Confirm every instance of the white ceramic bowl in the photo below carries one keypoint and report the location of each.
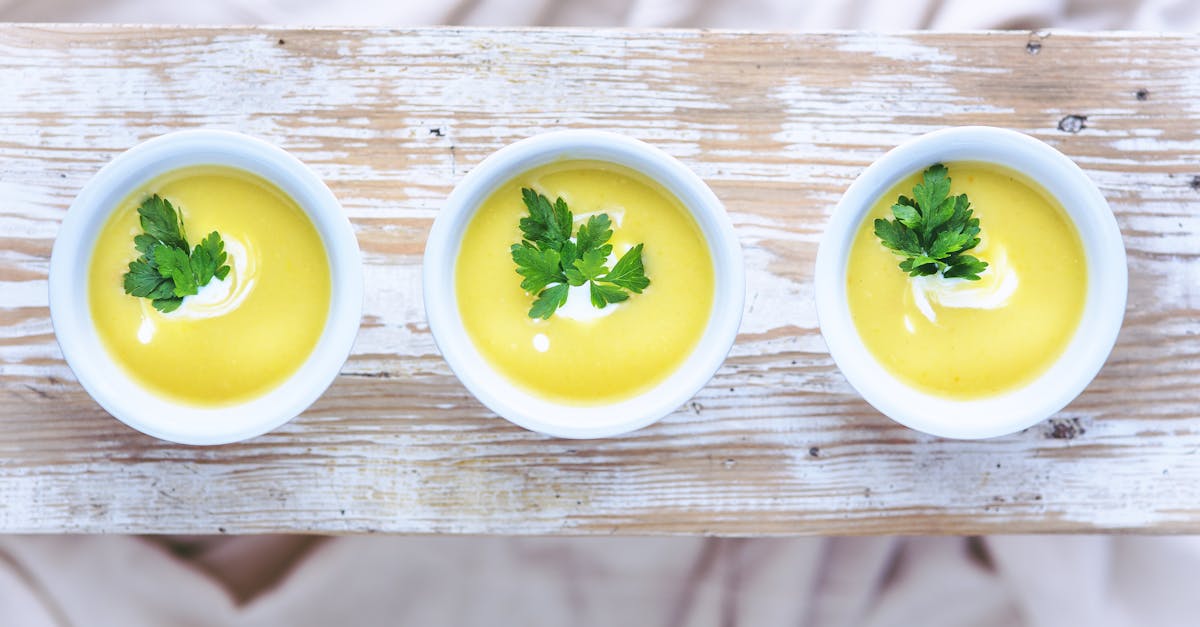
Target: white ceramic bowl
(514, 403)
(1088, 349)
(107, 382)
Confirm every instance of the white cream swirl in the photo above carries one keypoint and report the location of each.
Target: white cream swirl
(579, 305)
(996, 285)
(217, 298)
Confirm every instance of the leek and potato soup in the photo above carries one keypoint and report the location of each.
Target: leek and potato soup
(966, 280)
(209, 286)
(584, 282)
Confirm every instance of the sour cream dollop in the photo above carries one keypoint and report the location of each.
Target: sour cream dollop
(996, 285)
(217, 298)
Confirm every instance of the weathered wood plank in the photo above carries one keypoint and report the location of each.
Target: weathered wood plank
(778, 124)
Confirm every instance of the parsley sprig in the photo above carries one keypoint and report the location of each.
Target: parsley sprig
(933, 230)
(552, 262)
(167, 271)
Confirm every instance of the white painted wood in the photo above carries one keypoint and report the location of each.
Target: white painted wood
(778, 125)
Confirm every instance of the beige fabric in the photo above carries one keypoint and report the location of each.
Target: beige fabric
(669, 582)
(1181, 15)
(685, 582)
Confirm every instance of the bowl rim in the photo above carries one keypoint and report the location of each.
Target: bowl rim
(522, 407)
(107, 382)
(1091, 342)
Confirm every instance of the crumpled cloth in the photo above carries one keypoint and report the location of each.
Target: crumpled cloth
(887, 15)
(668, 582)
(673, 582)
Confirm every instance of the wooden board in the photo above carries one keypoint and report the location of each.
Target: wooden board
(778, 124)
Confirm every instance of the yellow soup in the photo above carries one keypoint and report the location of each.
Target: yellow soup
(239, 337)
(970, 339)
(585, 359)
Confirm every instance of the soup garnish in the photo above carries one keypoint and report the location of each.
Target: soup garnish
(552, 261)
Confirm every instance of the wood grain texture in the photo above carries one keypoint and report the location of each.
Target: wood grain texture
(779, 125)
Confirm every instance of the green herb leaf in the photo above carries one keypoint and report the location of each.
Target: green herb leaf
(548, 225)
(174, 264)
(930, 194)
(143, 280)
(549, 301)
(590, 267)
(906, 214)
(932, 230)
(594, 235)
(208, 259)
(539, 267)
(551, 262)
(964, 266)
(144, 243)
(629, 272)
(167, 305)
(166, 271)
(898, 237)
(567, 254)
(161, 222)
(603, 294)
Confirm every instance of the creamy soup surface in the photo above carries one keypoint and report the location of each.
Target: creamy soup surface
(581, 356)
(239, 337)
(969, 339)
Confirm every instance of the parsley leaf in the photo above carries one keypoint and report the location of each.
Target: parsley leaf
(551, 262)
(963, 266)
(173, 264)
(144, 281)
(160, 222)
(629, 272)
(539, 267)
(589, 267)
(167, 305)
(594, 234)
(208, 259)
(166, 271)
(547, 225)
(548, 301)
(603, 294)
(145, 243)
(932, 230)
